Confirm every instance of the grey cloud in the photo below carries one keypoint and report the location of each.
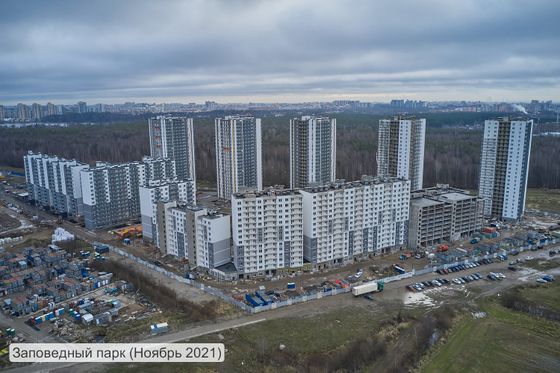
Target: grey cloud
(276, 50)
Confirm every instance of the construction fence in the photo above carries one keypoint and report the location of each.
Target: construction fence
(299, 299)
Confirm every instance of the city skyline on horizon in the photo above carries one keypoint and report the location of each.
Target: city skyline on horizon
(203, 101)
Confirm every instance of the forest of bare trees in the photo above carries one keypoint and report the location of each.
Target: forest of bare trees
(452, 150)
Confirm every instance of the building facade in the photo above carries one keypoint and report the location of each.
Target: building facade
(82, 107)
(173, 138)
(312, 151)
(443, 214)
(238, 155)
(111, 191)
(54, 183)
(36, 111)
(51, 109)
(401, 149)
(345, 219)
(267, 231)
(176, 224)
(183, 191)
(504, 167)
(213, 240)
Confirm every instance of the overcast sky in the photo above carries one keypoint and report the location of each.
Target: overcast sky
(278, 51)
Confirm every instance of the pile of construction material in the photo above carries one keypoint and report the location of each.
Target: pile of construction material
(61, 235)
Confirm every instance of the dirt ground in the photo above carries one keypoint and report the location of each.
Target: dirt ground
(7, 222)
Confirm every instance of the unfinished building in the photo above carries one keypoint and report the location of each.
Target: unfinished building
(442, 214)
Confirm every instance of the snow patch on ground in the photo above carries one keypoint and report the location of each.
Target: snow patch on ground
(418, 300)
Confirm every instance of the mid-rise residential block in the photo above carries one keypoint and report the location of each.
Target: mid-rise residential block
(183, 191)
(176, 225)
(54, 183)
(111, 191)
(213, 240)
(267, 231)
(345, 219)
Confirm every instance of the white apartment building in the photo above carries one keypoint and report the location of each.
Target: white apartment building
(238, 155)
(54, 182)
(213, 240)
(312, 151)
(401, 149)
(504, 167)
(183, 191)
(267, 231)
(345, 219)
(176, 225)
(110, 192)
(173, 138)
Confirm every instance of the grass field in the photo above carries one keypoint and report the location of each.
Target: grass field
(543, 265)
(547, 295)
(504, 341)
(543, 199)
(540, 199)
(251, 348)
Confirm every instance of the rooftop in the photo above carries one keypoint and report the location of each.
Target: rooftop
(343, 184)
(425, 202)
(276, 190)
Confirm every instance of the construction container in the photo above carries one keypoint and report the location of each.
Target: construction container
(159, 328)
(262, 297)
(291, 286)
(87, 318)
(252, 301)
(399, 269)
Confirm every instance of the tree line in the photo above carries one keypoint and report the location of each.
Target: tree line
(452, 153)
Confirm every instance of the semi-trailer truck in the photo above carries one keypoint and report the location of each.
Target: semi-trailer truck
(368, 287)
